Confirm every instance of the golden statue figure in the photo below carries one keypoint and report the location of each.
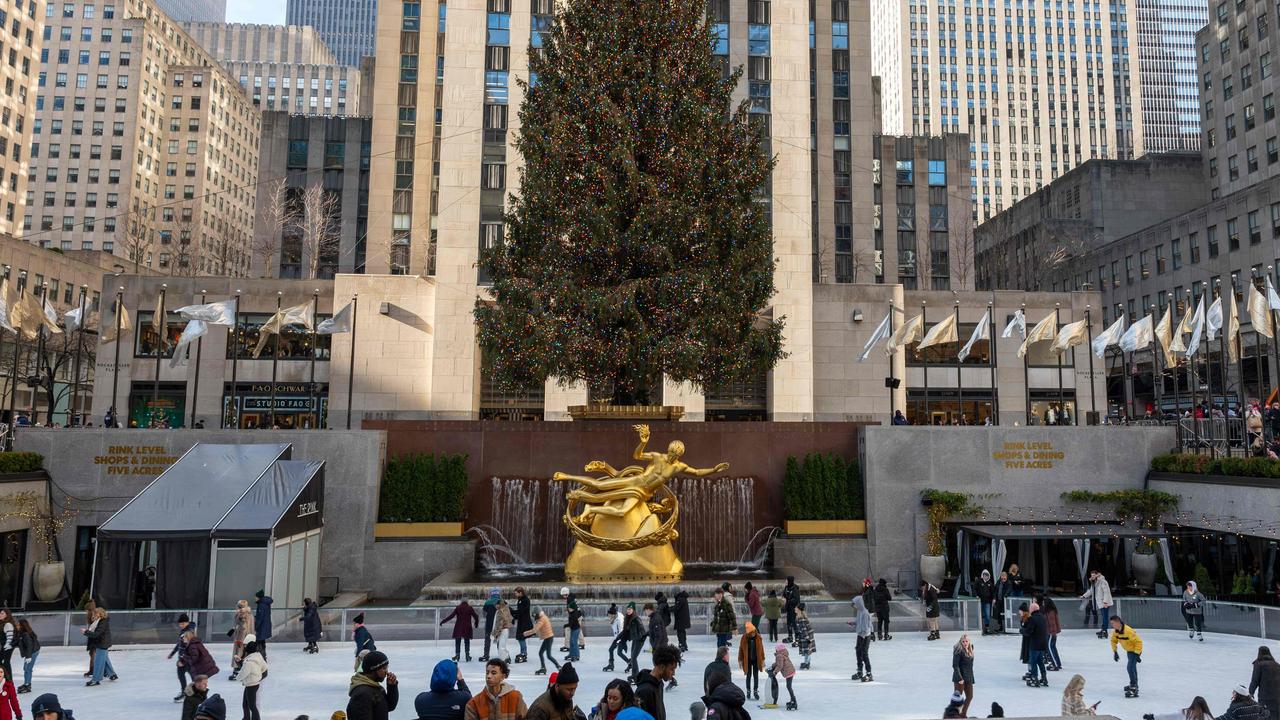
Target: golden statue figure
(620, 532)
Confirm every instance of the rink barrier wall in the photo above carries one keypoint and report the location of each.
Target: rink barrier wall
(150, 627)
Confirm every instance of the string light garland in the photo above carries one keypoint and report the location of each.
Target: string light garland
(638, 245)
(45, 524)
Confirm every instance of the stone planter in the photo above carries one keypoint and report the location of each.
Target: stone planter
(933, 568)
(1144, 569)
(827, 527)
(46, 580)
(410, 531)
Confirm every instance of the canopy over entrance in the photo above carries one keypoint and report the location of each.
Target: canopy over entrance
(1064, 531)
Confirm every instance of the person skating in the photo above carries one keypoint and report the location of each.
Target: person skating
(196, 658)
(1127, 639)
(448, 695)
(489, 610)
(312, 628)
(185, 623)
(869, 600)
(985, 590)
(573, 624)
(782, 666)
(636, 634)
(1243, 707)
(929, 596)
(790, 601)
(754, 607)
(1036, 631)
(1099, 597)
(557, 702)
(262, 620)
(1073, 699)
(9, 629)
(541, 628)
(242, 627)
(465, 620)
(649, 683)
(9, 706)
(724, 700)
(863, 631)
(1002, 594)
(367, 700)
(524, 623)
(663, 607)
(1193, 610)
(498, 700)
(253, 670)
(29, 648)
(1266, 681)
(1050, 610)
(362, 637)
(618, 696)
(882, 597)
(772, 605)
(724, 623)
(805, 643)
(195, 693)
(502, 622)
(619, 642)
(682, 622)
(720, 664)
(99, 636)
(751, 660)
(962, 671)
(657, 633)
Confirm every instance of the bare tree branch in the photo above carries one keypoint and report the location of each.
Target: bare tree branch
(278, 214)
(318, 227)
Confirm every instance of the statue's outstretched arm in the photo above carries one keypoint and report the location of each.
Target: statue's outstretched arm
(703, 472)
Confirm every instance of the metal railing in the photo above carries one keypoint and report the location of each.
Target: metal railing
(1224, 436)
(1165, 613)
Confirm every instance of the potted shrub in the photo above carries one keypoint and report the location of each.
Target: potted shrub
(47, 575)
(823, 496)
(422, 496)
(1141, 510)
(939, 506)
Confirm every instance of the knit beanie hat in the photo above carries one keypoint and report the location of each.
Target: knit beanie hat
(213, 707)
(373, 661)
(568, 675)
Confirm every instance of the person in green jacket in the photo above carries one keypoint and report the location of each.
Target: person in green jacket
(773, 613)
(723, 620)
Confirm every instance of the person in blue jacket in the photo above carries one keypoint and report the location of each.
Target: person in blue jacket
(262, 621)
(312, 628)
(362, 636)
(444, 701)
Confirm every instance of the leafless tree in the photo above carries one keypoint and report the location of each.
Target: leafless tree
(57, 377)
(318, 228)
(138, 237)
(183, 263)
(277, 215)
(962, 258)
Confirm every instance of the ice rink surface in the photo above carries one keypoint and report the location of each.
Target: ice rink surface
(912, 677)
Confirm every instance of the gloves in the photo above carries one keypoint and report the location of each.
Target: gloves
(1116, 656)
(1138, 659)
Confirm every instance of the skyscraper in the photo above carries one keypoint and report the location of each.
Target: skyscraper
(1167, 72)
(1039, 85)
(195, 10)
(346, 26)
(17, 104)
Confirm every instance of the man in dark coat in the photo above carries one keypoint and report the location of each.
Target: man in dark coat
(262, 621)
(791, 599)
(719, 665)
(524, 623)
(724, 700)
(196, 692)
(985, 589)
(368, 700)
(557, 702)
(465, 620)
(882, 597)
(664, 608)
(1036, 630)
(444, 701)
(649, 683)
(312, 628)
(682, 619)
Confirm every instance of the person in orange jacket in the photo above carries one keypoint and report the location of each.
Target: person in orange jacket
(751, 659)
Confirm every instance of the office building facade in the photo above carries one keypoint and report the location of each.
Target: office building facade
(25, 20)
(348, 27)
(143, 145)
(212, 11)
(1166, 72)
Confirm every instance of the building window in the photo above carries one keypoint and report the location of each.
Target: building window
(938, 173)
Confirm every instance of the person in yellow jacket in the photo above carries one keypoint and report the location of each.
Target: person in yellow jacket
(1125, 637)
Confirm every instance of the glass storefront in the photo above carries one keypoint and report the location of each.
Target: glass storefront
(296, 405)
(167, 409)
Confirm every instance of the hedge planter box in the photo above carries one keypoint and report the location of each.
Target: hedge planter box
(827, 527)
(1244, 480)
(410, 531)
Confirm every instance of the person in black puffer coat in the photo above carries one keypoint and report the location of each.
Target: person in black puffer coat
(682, 619)
(985, 590)
(524, 623)
(1266, 681)
(882, 597)
(311, 625)
(724, 700)
(1036, 631)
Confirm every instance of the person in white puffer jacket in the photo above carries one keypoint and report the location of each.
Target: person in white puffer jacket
(253, 670)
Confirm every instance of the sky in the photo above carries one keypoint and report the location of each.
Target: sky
(256, 11)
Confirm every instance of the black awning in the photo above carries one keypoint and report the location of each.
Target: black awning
(1058, 531)
(288, 499)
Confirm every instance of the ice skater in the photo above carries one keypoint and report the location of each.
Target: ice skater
(541, 628)
(772, 613)
(1036, 630)
(1050, 610)
(985, 589)
(1099, 598)
(1193, 610)
(751, 660)
(681, 619)
(619, 644)
(724, 623)
(791, 601)
(524, 623)
(783, 666)
(929, 596)
(362, 638)
(502, 622)
(465, 620)
(805, 643)
(882, 596)
(962, 671)
(1127, 639)
(312, 628)
(636, 635)
(863, 631)
(490, 611)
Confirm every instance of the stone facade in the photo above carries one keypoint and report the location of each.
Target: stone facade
(18, 107)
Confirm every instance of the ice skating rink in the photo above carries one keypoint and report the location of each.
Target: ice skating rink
(912, 677)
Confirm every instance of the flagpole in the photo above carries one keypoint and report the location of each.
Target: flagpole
(1026, 376)
(1177, 366)
(1275, 336)
(72, 413)
(195, 390)
(1191, 378)
(234, 334)
(991, 348)
(1239, 347)
(275, 358)
(1223, 360)
(892, 401)
(115, 370)
(1127, 357)
(315, 404)
(13, 384)
(1057, 328)
(959, 363)
(924, 364)
(351, 370)
(1157, 371)
(1093, 389)
(162, 327)
(35, 394)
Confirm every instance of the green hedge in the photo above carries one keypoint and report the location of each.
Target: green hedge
(1193, 464)
(424, 488)
(21, 462)
(823, 487)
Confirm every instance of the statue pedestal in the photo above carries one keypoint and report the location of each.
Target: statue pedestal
(656, 563)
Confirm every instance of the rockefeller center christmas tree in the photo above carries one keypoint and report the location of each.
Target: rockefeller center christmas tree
(636, 245)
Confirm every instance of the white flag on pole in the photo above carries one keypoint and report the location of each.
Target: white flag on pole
(1019, 321)
(881, 333)
(193, 330)
(982, 332)
(1138, 336)
(339, 323)
(1197, 329)
(217, 313)
(1213, 320)
(1110, 336)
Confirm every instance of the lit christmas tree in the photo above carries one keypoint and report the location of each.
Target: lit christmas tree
(637, 245)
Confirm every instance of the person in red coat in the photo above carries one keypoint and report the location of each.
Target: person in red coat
(9, 707)
(465, 620)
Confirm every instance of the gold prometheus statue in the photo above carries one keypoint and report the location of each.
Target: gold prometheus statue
(620, 530)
